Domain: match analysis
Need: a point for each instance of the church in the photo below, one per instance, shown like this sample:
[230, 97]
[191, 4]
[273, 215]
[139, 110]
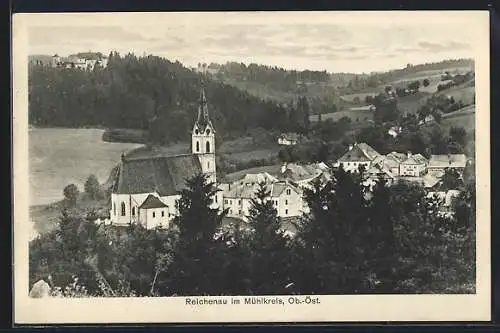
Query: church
[147, 181]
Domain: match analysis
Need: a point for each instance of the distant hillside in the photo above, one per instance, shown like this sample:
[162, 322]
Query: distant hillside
[323, 88]
[145, 93]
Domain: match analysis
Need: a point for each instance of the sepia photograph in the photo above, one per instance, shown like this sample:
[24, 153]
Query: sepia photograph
[251, 166]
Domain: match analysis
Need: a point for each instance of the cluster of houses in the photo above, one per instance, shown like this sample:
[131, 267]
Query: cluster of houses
[85, 63]
[146, 184]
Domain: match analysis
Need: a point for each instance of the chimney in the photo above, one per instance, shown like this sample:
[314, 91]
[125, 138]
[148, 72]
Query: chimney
[283, 168]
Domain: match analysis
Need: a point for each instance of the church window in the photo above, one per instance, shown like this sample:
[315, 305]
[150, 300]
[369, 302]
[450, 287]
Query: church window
[154, 214]
[288, 192]
[208, 165]
[208, 147]
[133, 211]
[123, 208]
[208, 131]
[286, 202]
[162, 213]
[114, 209]
[197, 146]
[286, 211]
[196, 131]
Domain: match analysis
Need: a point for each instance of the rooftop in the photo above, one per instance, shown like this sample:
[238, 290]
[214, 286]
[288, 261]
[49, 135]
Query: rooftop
[448, 161]
[164, 175]
[360, 152]
[152, 202]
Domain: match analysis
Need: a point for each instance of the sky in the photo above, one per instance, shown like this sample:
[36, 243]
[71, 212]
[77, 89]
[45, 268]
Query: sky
[353, 42]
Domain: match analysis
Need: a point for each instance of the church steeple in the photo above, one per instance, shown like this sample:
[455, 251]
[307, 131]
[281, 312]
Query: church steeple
[203, 122]
[202, 119]
[203, 138]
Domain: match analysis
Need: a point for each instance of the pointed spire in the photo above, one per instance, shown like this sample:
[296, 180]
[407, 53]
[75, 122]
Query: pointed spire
[202, 119]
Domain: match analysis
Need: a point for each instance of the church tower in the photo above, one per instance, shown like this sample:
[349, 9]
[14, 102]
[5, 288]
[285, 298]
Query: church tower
[203, 139]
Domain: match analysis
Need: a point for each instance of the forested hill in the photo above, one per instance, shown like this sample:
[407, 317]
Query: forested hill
[142, 93]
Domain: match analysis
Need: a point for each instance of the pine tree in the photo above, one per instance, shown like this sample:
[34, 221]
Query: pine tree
[333, 236]
[193, 270]
[268, 246]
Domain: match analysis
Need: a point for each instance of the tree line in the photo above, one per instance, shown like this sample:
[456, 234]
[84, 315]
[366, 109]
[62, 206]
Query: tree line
[353, 241]
[146, 93]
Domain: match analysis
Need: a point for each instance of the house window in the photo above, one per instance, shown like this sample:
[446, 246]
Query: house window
[114, 209]
[239, 212]
[215, 198]
[123, 208]
[197, 146]
[286, 211]
[162, 213]
[230, 211]
[286, 202]
[133, 211]
[208, 147]
[225, 201]
[154, 215]
[208, 165]
[239, 202]
[288, 192]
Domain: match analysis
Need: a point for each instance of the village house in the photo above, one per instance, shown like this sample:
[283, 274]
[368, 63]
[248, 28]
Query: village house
[147, 182]
[286, 198]
[79, 62]
[304, 174]
[439, 163]
[359, 154]
[445, 200]
[288, 139]
[414, 165]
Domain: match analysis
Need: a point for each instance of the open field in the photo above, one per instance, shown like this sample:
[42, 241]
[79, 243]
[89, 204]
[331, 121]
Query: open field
[412, 103]
[431, 74]
[462, 93]
[356, 116]
[256, 154]
[350, 98]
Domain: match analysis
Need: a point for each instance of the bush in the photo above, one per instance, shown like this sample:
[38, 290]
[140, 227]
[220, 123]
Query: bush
[93, 188]
[71, 193]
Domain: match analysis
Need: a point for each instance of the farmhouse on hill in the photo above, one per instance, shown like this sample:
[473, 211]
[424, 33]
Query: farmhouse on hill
[288, 139]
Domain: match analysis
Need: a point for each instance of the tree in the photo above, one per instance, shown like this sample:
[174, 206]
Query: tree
[438, 142]
[71, 193]
[331, 240]
[414, 85]
[93, 188]
[425, 82]
[451, 180]
[268, 246]
[192, 271]
[458, 135]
